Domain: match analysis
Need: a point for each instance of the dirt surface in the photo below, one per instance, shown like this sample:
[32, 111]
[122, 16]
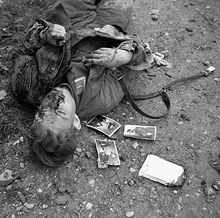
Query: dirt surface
[188, 33]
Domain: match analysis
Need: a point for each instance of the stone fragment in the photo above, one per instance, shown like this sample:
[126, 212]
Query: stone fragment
[132, 170]
[61, 200]
[135, 145]
[29, 206]
[89, 206]
[6, 178]
[129, 214]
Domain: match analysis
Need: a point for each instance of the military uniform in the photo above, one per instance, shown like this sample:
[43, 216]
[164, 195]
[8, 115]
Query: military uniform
[90, 25]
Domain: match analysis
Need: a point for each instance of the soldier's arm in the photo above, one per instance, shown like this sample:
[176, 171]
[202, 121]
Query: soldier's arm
[40, 33]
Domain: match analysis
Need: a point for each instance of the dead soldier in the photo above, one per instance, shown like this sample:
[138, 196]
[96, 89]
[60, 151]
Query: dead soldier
[66, 69]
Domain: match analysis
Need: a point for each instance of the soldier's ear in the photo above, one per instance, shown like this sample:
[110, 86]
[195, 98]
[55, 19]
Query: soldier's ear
[76, 122]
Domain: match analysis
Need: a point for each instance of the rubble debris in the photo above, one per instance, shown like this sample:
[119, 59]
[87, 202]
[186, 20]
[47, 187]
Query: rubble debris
[21, 139]
[3, 68]
[129, 214]
[3, 94]
[162, 171]
[154, 14]
[61, 200]
[89, 206]
[216, 185]
[6, 178]
[214, 162]
[29, 206]
[208, 191]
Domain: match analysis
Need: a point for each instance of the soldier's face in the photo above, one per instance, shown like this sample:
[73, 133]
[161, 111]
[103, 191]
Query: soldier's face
[57, 111]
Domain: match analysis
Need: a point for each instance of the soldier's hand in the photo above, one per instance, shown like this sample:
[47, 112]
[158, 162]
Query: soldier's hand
[54, 34]
[102, 57]
[108, 57]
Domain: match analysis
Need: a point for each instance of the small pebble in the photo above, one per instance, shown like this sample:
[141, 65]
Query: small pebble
[216, 79]
[130, 182]
[79, 150]
[61, 200]
[135, 145]
[132, 170]
[92, 182]
[129, 214]
[29, 206]
[39, 190]
[88, 155]
[208, 7]
[45, 206]
[22, 165]
[180, 123]
[89, 206]
[168, 148]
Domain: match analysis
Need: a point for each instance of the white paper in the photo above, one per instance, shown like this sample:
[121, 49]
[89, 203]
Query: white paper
[160, 170]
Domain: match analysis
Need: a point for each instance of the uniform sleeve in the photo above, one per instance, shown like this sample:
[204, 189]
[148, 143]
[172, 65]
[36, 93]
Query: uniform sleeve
[31, 41]
[142, 56]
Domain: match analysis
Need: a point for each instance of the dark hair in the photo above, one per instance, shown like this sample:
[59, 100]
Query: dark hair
[51, 149]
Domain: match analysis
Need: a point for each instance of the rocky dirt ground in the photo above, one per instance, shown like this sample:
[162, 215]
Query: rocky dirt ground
[188, 33]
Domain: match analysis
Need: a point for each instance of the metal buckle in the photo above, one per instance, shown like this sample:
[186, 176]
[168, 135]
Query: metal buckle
[208, 71]
[162, 90]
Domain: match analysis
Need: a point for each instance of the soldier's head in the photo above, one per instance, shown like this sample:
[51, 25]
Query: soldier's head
[53, 127]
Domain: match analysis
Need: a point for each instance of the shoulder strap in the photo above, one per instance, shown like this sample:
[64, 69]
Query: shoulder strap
[161, 92]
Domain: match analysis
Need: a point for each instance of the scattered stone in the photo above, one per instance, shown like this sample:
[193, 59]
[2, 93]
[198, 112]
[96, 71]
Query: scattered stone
[89, 206]
[88, 155]
[135, 145]
[206, 63]
[61, 200]
[79, 150]
[208, 191]
[216, 185]
[208, 7]
[8, 188]
[132, 170]
[29, 206]
[216, 79]
[141, 190]
[45, 206]
[168, 148]
[179, 207]
[154, 14]
[22, 165]
[191, 145]
[189, 30]
[49, 185]
[180, 123]
[92, 182]
[39, 190]
[131, 182]
[13, 216]
[6, 178]
[192, 3]
[175, 191]
[3, 94]
[22, 198]
[129, 214]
